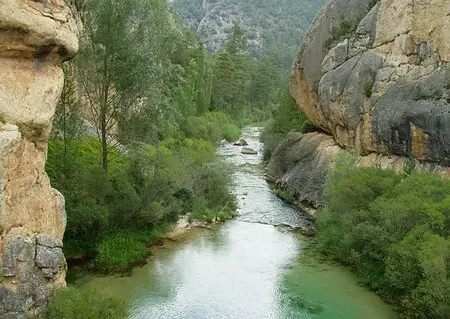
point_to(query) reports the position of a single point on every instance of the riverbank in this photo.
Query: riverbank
(150, 240)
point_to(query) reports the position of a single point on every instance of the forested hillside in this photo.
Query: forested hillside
(273, 27)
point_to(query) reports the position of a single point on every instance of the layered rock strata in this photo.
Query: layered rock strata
(35, 37)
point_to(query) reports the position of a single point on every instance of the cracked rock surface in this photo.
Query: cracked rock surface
(35, 38)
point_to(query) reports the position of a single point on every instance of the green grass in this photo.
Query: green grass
(117, 252)
(71, 303)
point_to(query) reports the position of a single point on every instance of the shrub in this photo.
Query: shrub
(71, 303)
(285, 195)
(211, 126)
(368, 86)
(231, 132)
(428, 93)
(394, 230)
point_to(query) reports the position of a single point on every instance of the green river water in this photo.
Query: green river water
(246, 269)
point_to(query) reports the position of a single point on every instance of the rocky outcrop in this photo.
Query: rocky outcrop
(376, 76)
(35, 37)
(302, 162)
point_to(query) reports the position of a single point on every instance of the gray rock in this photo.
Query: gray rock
(49, 257)
(300, 164)
(368, 24)
(335, 57)
(48, 241)
(11, 301)
(241, 142)
(248, 151)
(17, 249)
(313, 50)
(412, 119)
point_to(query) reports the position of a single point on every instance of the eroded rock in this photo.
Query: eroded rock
(302, 162)
(35, 38)
(377, 78)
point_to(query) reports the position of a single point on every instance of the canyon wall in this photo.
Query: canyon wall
(35, 38)
(374, 76)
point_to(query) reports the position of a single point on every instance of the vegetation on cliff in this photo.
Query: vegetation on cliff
(286, 117)
(394, 230)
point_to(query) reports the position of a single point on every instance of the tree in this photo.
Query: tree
(67, 123)
(232, 75)
(119, 61)
(265, 83)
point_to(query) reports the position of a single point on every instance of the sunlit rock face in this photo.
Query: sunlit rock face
(35, 37)
(376, 76)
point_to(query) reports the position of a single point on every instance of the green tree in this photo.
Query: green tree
(67, 123)
(232, 75)
(117, 61)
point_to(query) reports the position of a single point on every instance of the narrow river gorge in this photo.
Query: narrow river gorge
(248, 268)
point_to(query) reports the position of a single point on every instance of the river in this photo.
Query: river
(246, 269)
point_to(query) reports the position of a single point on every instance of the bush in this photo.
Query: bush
(211, 126)
(71, 303)
(394, 231)
(231, 132)
(285, 195)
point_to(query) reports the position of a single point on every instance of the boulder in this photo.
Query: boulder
(241, 142)
(248, 151)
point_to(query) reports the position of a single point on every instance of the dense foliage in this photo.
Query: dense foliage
(286, 117)
(394, 230)
(145, 85)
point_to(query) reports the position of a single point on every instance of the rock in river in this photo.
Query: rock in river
(249, 151)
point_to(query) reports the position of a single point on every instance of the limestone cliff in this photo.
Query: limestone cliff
(375, 77)
(35, 37)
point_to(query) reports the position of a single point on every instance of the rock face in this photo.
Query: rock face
(302, 162)
(35, 37)
(376, 76)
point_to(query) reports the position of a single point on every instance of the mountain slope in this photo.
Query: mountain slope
(272, 26)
